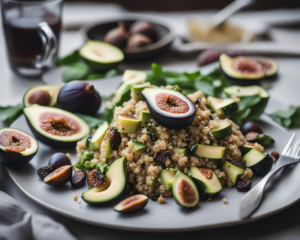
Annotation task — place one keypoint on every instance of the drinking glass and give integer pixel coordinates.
(32, 31)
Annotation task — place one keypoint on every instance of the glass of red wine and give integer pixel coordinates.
(32, 31)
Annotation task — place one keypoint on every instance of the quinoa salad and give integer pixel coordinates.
(144, 169)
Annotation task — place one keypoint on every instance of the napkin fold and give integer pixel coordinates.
(18, 224)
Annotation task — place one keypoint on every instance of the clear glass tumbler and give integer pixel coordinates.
(32, 31)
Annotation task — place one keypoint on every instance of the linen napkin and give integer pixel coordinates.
(18, 224)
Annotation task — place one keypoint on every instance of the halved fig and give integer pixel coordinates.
(44, 171)
(241, 70)
(270, 66)
(16, 147)
(59, 177)
(132, 204)
(55, 127)
(169, 108)
(44, 95)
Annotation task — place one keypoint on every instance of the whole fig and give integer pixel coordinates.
(79, 96)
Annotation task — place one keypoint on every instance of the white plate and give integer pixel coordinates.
(282, 192)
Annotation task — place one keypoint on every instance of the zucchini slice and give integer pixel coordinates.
(260, 163)
(210, 185)
(223, 106)
(247, 148)
(180, 150)
(233, 172)
(167, 176)
(224, 129)
(214, 153)
(98, 136)
(239, 91)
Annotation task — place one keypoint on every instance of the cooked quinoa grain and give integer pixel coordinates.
(143, 169)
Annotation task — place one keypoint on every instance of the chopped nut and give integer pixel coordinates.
(160, 200)
(209, 199)
(275, 155)
(224, 200)
(69, 155)
(94, 161)
(75, 196)
(79, 201)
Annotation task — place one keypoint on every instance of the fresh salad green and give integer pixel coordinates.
(288, 118)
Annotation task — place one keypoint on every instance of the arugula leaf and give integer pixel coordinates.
(111, 73)
(77, 71)
(10, 113)
(288, 118)
(102, 167)
(74, 57)
(95, 76)
(93, 122)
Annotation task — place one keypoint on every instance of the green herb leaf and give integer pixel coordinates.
(102, 167)
(265, 140)
(10, 113)
(85, 157)
(288, 118)
(76, 71)
(138, 146)
(89, 166)
(93, 122)
(95, 76)
(111, 73)
(74, 57)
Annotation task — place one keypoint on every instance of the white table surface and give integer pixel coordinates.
(284, 225)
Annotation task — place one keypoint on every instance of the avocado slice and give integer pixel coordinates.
(167, 176)
(101, 56)
(47, 131)
(239, 91)
(98, 136)
(138, 146)
(214, 153)
(122, 94)
(224, 129)
(116, 187)
(233, 172)
(241, 70)
(185, 191)
(126, 124)
(136, 90)
(223, 106)
(247, 148)
(129, 74)
(108, 149)
(145, 116)
(152, 182)
(258, 162)
(180, 150)
(13, 152)
(33, 95)
(211, 186)
(181, 112)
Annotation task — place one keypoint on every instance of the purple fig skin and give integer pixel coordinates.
(58, 160)
(79, 96)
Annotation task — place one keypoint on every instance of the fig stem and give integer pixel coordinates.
(90, 88)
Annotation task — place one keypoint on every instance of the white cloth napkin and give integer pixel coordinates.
(18, 224)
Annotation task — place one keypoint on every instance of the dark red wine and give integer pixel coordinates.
(22, 41)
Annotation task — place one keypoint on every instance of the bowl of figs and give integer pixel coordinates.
(138, 38)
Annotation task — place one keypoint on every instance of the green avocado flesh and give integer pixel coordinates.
(258, 162)
(28, 151)
(212, 187)
(136, 90)
(132, 77)
(152, 182)
(247, 148)
(101, 56)
(214, 153)
(185, 191)
(150, 93)
(33, 114)
(227, 64)
(145, 116)
(233, 172)
(224, 129)
(127, 124)
(180, 150)
(98, 136)
(108, 149)
(138, 146)
(224, 106)
(167, 176)
(116, 186)
(239, 91)
(51, 89)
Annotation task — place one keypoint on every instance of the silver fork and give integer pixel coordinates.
(252, 199)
